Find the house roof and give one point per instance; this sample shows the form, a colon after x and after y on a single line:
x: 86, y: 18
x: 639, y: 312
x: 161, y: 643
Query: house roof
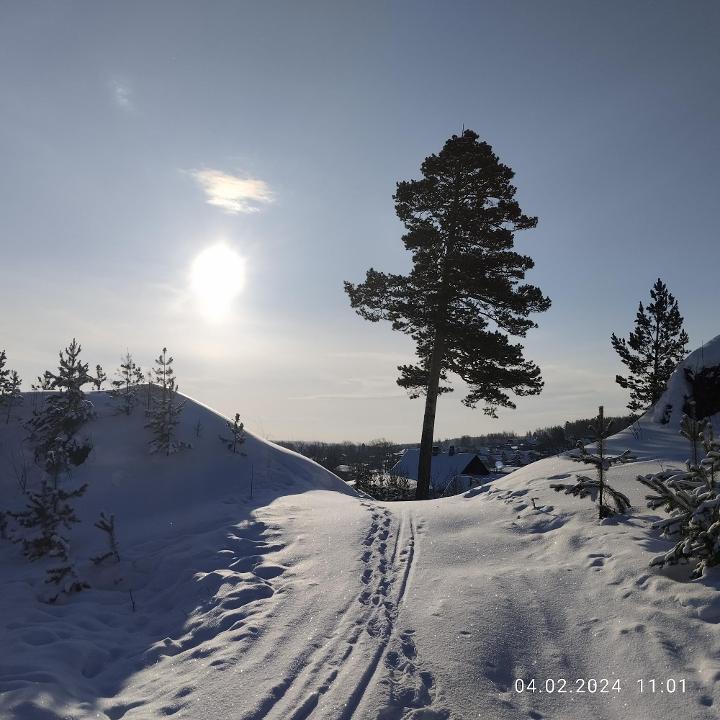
x: 444, y: 467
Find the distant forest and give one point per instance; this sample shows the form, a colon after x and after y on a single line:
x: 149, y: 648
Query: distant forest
x: 380, y: 455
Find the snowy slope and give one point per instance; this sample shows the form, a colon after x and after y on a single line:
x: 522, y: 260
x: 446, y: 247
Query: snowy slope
x: 309, y: 602
x: 678, y: 387
x: 195, y: 555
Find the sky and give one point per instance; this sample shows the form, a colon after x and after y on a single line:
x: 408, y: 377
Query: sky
x: 136, y: 136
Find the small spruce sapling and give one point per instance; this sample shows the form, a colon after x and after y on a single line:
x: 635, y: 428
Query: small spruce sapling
x: 39, y: 388
x: 4, y: 376
x: 125, y: 387
x: 13, y: 396
x: 56, y: 449
x: 107, y: 525
x: 597, y: 489
x: 692, y: 500
x: 66, y: 410
x: 694, y: 430
x: 47, y: 513
x: 100, y: 377
x: 10, y: 395
x: 237, y: 435
x: 164, y: 414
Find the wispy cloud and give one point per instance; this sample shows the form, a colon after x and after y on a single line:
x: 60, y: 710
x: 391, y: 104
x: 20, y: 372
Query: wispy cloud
x: 231, y: 193
x: 122, y: 94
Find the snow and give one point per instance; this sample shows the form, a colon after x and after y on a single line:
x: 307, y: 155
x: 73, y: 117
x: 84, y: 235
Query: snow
x: 678, y: 387
x: 307, y: 601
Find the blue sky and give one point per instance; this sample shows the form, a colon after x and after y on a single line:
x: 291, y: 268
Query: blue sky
x: 135, y: 135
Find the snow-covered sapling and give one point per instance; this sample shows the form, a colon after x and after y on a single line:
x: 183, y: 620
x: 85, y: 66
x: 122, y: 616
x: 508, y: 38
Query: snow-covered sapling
x: 237, y: 434
x: 692, y: 500
x: 125, y: 387
x: 66, y: 410
x: 597, y: 489
x: 13, y: 397
x: 693, y: 429
x: 164, y: 414
x: 4, y: 376
x: 66, y: 579
x: 48, y: 511
x: 107, y: 525
x: 38, y: 388
x: 10, y: 395
x: 99, y: 378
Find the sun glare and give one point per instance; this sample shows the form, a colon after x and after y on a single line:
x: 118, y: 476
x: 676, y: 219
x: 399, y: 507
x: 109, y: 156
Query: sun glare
x: 216, y: 278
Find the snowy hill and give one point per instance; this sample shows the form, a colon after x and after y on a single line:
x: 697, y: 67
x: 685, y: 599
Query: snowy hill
x: 669, y: 407
x: 309, y: 602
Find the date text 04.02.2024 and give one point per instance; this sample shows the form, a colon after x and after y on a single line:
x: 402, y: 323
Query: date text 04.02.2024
x: 598, y: 685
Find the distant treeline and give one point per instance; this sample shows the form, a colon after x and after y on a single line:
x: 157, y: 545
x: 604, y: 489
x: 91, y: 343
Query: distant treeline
x: 382, y: 454
x: 553, y: 438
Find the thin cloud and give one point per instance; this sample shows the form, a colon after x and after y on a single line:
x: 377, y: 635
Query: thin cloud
x: 231, y: 193
x: 122, y: 95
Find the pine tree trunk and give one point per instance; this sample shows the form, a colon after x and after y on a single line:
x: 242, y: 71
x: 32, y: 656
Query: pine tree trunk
x: 426, y: 442
x: 601, y: 454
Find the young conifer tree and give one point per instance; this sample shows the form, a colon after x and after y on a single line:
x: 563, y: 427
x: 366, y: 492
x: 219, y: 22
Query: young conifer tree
x: 106, y: 523
x: 125, y: 388
x: 66, y: 410
x: 464, y: 296
x: 237, y: 434
x: 598, y: 489
x: 53, y: 432
x: 653, y: 350
x: 100, y: 377
x: 164, y: 414
x: 4, y: 376
x: 10, y: 395
x: 13, y: 396
x: 691, y: 497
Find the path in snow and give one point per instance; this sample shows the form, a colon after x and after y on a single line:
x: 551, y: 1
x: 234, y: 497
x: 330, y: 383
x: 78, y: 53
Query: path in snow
x: 366, y: 651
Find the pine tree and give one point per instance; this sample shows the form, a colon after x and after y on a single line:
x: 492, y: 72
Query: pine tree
x: 653, y: 349
x: 692, y: 499
x: 237, y: 434
x: 4, y: 376
x: 65, y: 411
x: 10, y: 395
x: 107, y: 525
x: 13, y: 397
x: 597, y: 489
x: 42, y: 384
x: 57, y: 451
x: 164, y: 413
x: 463, y: 297
x: 125, y: 388
x: 48, y: 513
x: 100, y: 377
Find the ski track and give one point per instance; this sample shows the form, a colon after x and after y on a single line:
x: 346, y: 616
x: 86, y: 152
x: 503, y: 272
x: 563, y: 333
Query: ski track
x: 334, y: 678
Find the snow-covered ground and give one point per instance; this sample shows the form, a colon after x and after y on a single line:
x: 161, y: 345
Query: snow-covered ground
x: 306, y: 601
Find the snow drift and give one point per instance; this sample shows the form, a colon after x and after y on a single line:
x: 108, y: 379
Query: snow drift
x: 308, y: 602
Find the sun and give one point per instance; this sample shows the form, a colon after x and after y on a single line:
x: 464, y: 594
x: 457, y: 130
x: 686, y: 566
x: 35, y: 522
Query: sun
x: 217, y: 277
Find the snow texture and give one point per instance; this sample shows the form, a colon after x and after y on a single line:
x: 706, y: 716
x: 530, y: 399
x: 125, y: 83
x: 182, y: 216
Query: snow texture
x: 303, y: 600
x: 669, y: 407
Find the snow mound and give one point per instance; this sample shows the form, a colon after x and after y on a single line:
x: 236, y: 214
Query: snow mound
x: 146, y: 491
x: 668, y: 410
x: 201, y: 565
